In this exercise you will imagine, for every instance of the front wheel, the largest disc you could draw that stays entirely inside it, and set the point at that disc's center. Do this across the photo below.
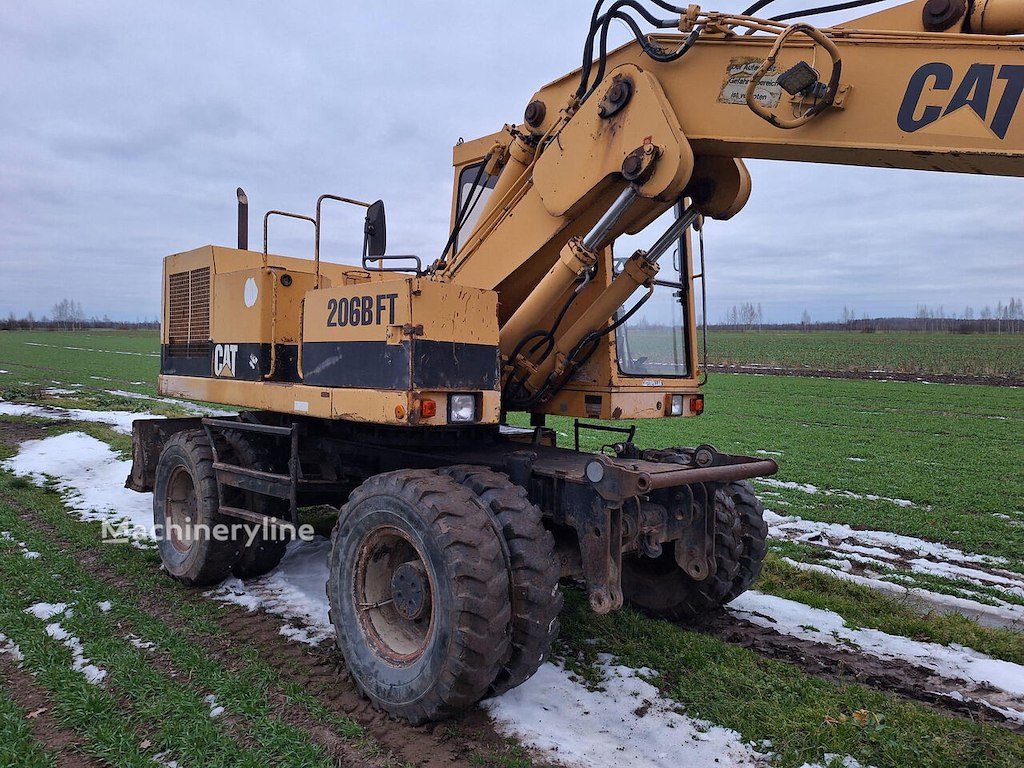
(660, 587)
(753, 536)
(419, 594)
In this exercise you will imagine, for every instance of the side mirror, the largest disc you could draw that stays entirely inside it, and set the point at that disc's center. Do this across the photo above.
(375, 236)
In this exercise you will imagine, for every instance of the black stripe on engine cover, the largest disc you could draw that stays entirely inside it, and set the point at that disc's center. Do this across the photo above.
(251, 361)
(413, 364)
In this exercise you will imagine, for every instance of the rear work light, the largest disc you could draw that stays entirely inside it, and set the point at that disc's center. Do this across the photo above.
(461, 409)
(675, 407)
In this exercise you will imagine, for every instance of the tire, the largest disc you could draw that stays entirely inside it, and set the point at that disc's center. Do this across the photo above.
(533, 569)
(262, 555)
(753, 536)
(184, 498)
(418, 593)
(658, 586)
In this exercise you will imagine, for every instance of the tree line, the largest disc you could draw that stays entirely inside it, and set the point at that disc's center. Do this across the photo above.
(1005, 318)
(68, 315)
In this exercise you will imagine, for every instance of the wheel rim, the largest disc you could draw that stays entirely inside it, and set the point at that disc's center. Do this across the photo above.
(393, 596)
(180, 510)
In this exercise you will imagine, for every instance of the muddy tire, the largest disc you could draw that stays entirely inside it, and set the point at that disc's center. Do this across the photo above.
(753, 536)
(658, 586)
(262, 555)
(533, 567)
(418, 591)
(185, 505)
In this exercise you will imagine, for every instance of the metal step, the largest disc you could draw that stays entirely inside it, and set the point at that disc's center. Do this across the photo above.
(266, 483)
(255, 517)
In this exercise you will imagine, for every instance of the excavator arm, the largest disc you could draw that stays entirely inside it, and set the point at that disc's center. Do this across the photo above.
(670, 117)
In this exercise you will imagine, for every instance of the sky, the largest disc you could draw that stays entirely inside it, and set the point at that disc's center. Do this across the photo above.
(126, 128)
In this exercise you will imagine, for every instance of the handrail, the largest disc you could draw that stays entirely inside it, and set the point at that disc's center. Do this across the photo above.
(316, 224)
(266, 218)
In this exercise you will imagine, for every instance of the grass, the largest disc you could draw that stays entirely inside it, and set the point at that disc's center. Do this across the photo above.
(954, 452)
(138, 698)
(17, 744)
(922, 353)
(861, 606)
(114, 719)
(764, 700)
(95, 357)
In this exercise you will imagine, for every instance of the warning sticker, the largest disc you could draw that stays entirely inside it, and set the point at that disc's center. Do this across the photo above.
(738, 76)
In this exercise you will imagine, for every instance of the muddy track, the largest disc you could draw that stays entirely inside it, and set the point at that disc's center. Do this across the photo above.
(319, 670)
(63, 744)
(847, 665)
(933, 378)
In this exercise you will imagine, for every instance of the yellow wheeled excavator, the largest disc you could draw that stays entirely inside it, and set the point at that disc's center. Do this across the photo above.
(382, 386)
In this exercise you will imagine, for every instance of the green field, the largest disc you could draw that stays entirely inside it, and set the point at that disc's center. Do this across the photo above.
(954, 452)
(96, 359)
(936, 353)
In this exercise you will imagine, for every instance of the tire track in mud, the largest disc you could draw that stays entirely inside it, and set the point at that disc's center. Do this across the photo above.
(319, 670)
(848, 665)
(931, 378)
(63, 744)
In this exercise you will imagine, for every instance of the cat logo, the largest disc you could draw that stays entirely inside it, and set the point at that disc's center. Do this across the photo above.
(224, 360)
(991, 94)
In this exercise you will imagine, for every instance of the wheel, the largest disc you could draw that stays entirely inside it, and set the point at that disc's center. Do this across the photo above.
(753, 536)
(660, 587)
(534, 571)
(193, 546)
(262, 554)
(418, 592)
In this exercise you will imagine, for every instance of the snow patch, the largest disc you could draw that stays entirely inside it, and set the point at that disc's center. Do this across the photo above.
(138, 642)
(105, 606)
(626, 723)
(834, 534)
(295, 590)
(11, 648)
(216, 710)
(830, 762)
(162, 758)
(27, 553)
(1006, 616)
(813, 489)
(46, 611)
(89, 475)
(119, 421)
(198, 410)
(953, 663)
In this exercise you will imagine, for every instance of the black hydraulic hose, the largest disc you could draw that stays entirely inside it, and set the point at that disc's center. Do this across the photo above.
(756, 7)
(826, 9)
(603, 21)
(575, 360)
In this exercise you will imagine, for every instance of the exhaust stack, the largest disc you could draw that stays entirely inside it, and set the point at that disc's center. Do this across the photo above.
(243, 220)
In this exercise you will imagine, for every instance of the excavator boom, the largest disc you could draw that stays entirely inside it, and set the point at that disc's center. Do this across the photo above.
(607, 149)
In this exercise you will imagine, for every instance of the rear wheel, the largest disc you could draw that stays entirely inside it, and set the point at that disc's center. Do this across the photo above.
(194, 546)
(418, 591)
(660, 587)
(533, 568)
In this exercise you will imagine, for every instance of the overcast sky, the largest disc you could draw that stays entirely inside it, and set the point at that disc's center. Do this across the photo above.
(127, 126)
